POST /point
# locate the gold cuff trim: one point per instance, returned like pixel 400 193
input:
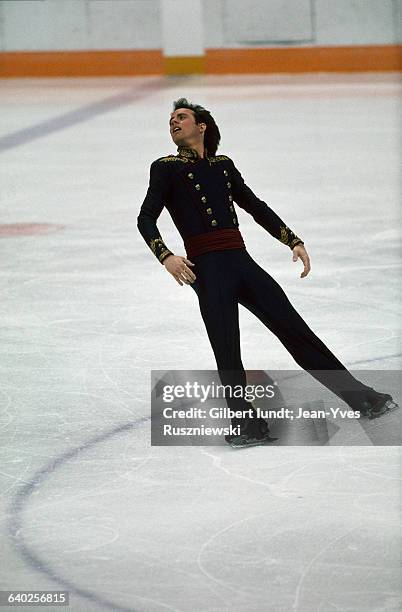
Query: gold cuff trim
pixel 164 254
pixel 295 242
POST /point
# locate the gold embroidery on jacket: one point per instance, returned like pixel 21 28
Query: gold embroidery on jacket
pixel 284 234
pixel 295 241
pixel 188 153
pixel 164 254
pixel 173 158
pixel 218 158
pixel 157 243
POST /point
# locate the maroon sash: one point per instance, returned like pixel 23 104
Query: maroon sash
pixel 217 240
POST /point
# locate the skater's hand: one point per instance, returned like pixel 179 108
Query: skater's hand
pixel 300 252
pixel 178 268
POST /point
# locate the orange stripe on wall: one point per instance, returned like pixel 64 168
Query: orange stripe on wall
pixel 216 61
pixel 304 59
pixel 80 63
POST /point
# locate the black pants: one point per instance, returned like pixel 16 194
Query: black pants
pixel 226 279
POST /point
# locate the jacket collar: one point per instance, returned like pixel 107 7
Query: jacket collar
pixel 189 154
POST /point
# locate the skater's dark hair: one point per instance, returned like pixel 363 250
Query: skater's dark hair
pixel 212 135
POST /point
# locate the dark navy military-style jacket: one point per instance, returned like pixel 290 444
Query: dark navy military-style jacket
pixel 200 195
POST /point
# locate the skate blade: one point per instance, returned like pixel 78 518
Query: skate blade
pixel 252 442
pixel 389 406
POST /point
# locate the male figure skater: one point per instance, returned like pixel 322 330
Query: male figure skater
pixel 199 189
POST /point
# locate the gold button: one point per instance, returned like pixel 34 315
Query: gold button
pixel 209 211
pixel 231 208
pixel 214 223
pixel 229 185
pixel 203 199
pixel 225 172
pixel 230 198
pixel 234 221
pixel 190 175
pixel 198 186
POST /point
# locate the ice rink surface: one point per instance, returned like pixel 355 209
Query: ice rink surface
pixel 87 504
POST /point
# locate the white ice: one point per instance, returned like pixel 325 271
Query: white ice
pixel 87 504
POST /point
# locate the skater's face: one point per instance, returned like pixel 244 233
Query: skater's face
pixel 183 128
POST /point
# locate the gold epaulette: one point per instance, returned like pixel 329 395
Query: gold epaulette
pixel 218 158
pixel 172 158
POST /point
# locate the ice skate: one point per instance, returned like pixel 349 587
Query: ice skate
pixel 245 440
pixel 383 403
pixel 254 434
